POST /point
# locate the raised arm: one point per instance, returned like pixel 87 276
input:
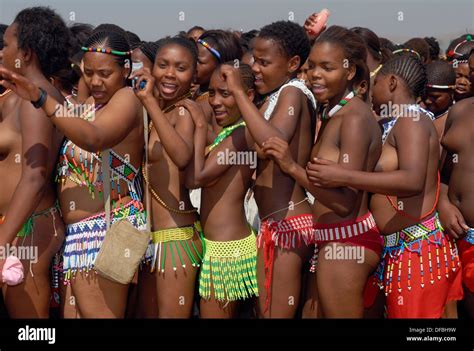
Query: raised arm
pixel 285 116
pixel 116 120
pixel 203 171
pixel 176 139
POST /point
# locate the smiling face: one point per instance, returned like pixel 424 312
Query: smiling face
pixel 173 71
pixel 206 64
pixel 271 67
pixel 328 73
pixel 222 102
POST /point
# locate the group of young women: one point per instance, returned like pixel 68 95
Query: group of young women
pixel 357 145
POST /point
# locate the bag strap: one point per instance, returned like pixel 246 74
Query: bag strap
pixel 106 177
pixel 147 190
pixel 106 180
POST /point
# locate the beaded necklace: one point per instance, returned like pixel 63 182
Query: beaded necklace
pixel 83 173
pixel 223 134
pixel 340 105
pixel 170 108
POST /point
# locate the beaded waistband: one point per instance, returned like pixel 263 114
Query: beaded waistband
pixel 413 232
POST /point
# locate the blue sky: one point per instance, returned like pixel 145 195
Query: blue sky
pixel 152 19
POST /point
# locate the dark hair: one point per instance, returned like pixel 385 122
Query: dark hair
pixel 420 46
pixel 364 76
pixel 43 31
pixel 67 78
pixel 186 43
pixel 434 47
pixel 149 49
pixel 246 74
pixel 372 42
pixel 194 28
pixel 111 40
pixel 226 43
pixel 3 28
pixel 401 49
pixel 440 73
pixel 352 45
pixel 388 46
pixel 80 32
pixel 133 40
pixel 410 70
pixel 290 36
pixel 452 45
pixel 463 50
pixel 246 40
pixel 110 27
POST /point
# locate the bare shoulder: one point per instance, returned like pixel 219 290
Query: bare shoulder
pixel 461 111
pixel 125 94
pixel 358 112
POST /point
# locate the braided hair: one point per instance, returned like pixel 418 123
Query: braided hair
pixel 113 40
pixel 434 47
pixel 246 74
pixel 420 46
pixel 410 70
pixel 440 73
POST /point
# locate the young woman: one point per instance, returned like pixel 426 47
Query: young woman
pixel 376 54
pixel 214 47
pixel 438 97
pixel 457 54
pixel 29 145
pixel 144 55
pixel 112 120
pixel 350 137
pixel 229 269
pixel 279 50
pixel 167 289
pixel 420 268
pixel 456 202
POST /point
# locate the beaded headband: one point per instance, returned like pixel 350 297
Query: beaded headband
pixel 211 49
pixel 452 53
pixel 107 51
pixel 434 86
pixel 407 50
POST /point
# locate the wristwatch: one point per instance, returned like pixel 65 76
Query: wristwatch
pixel 42 99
